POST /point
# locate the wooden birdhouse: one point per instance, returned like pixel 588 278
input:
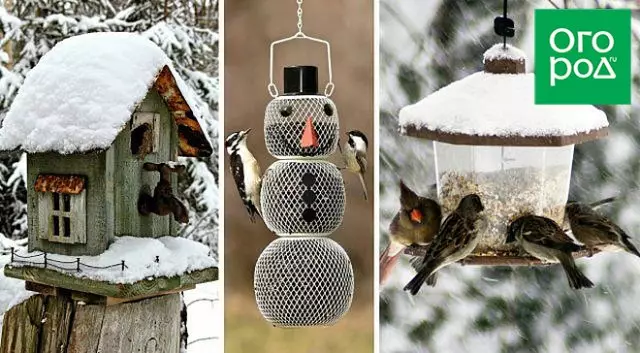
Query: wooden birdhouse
pixel 490 138
pixel 103 118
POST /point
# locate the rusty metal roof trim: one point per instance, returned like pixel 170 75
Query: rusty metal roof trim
pixel 63 184
pixel 193 141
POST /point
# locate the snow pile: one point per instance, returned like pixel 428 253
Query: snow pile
pixel 488 104
pixel 499 52
pixel 82 93
pixel 204 318
pixel 176 256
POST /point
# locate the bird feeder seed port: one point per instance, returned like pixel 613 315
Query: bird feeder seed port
pixel 490 138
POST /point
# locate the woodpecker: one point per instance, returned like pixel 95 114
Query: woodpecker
pixel 355 156
pixel 245 171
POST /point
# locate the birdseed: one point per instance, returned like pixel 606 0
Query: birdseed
pixel 506 195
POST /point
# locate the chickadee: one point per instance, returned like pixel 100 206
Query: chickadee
pixel 245 171
pixel 597 231
pixel 544 239
pixel 457 238
pixel 355 156
pixel 417 222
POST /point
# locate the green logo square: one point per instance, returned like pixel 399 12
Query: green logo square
pixel 583 56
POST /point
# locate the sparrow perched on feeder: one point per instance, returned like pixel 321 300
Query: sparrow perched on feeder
pixel 597 231
pixel 355 156
pixel 544 239
pixel 417 222
pixel 457 238
pixel 245 170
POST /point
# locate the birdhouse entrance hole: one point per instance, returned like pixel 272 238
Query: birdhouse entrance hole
pixel 145 133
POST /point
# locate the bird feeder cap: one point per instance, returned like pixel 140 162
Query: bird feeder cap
pixel 504 59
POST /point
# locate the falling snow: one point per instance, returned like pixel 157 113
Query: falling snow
pixel 425 46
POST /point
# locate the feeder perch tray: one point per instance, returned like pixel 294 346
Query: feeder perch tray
pixel 500 257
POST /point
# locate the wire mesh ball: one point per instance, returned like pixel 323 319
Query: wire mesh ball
pixel 302 198
pixel 303 282
pixel 285 121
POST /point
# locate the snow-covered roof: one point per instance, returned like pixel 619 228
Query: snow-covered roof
pixel 497 105
pixel 83 91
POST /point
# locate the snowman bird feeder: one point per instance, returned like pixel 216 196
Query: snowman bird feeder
pixel 491 139
pixel 303 278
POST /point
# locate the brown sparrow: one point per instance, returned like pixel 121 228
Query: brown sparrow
pixel 457 238
pixel 544 239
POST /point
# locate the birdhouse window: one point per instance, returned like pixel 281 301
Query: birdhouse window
pixel 61 208
pixel 145 133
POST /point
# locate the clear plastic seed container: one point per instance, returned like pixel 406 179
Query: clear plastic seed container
pixel 510 181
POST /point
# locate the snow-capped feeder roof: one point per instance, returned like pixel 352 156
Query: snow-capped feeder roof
pixel 84 90
pixel 496 107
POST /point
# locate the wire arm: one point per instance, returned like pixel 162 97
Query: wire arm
pixel 273 90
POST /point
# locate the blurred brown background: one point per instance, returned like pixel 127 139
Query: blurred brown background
pixel 250 27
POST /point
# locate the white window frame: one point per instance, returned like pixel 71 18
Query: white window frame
pixel 76 213
pixel 152 119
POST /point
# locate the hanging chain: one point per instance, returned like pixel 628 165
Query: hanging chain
pixel 299 15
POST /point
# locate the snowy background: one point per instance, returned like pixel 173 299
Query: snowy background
pixel 187 31
pixel 426 45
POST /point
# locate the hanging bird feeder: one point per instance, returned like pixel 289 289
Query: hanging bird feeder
pixel 303 278
pixel 490 138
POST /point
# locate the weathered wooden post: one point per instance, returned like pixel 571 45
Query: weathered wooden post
pixel 102 143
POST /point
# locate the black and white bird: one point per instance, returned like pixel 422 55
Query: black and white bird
pixel 245 171
pixel 355 156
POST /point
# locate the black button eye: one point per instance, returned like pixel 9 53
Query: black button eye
pixel 286 111
pixel 328 109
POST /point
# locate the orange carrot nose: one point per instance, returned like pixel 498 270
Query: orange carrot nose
pixel 309 135
pixel 416 215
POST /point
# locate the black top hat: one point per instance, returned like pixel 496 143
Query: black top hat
pixel 300 80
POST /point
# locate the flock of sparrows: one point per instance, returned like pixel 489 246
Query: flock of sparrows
pixel 419 222
pixel 248 177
